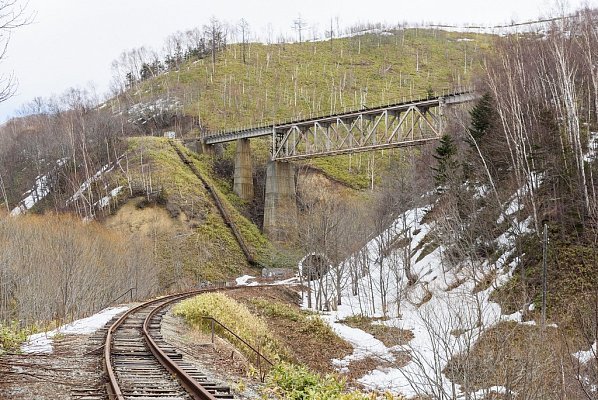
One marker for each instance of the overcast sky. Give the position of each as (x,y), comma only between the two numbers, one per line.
(72,43)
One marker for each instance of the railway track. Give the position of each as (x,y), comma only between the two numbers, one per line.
(140,365)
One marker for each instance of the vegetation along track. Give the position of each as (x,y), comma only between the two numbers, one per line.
(140,365)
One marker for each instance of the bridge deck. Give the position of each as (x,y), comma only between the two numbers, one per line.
(270,129)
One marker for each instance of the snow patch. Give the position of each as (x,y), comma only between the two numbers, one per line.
(244,280)
(493,389)
(42,342)
(41,188)
(286,282)
(104,201)
(162,108)
(87,183)
(585,356)
(364,344)
(514,205)
(444,309)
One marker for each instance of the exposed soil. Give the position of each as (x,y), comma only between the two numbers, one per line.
(310,177)
(315,351)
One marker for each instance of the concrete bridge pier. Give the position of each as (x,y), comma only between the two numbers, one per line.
(243,177)
(280,208)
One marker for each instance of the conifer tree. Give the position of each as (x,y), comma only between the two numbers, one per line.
(481,119)
(446,166)
(482,116)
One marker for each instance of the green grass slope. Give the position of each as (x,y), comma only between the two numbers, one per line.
(192,241)
(285,81)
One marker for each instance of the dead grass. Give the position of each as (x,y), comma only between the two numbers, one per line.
(306,346)
(485,282)
(458,282)
(133,219)
(192,243)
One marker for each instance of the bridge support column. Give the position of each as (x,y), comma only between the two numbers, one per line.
(243,178)
(280,208)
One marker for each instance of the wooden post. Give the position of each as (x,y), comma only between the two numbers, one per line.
(544,283)
(259,358)
(212,324)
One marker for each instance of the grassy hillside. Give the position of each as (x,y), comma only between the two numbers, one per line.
(285,81)
(171,206)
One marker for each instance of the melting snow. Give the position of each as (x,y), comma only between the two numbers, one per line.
(104,201)
(244,280)
(42,342)
(442,302)
(87,183)
(291,281)
(493,389)
(364,344)
(585,356)
(40,190)
(514,205)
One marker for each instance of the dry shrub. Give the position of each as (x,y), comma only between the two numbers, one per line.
(235,316)
(56,267)
(531,362)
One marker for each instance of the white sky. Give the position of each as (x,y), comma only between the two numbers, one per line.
(72,43)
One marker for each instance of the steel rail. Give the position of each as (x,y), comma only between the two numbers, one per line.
(191,386)
(114,388)
(194,388)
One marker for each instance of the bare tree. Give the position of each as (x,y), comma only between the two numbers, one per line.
(299,25)
(244,27)
(12,16)
(215,33)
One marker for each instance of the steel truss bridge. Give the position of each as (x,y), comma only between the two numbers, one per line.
(397,125)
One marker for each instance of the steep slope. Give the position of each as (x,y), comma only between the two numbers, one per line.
(292,80)
(403,279)
(164,199)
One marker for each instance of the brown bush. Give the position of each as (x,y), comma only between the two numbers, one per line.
(56,267)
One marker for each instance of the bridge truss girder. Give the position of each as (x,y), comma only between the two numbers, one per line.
(385,128)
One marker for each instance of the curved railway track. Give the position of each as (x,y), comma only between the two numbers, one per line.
(140,365)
